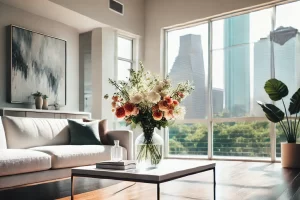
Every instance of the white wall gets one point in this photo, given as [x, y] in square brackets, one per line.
[164, 13]
[103, 58]
[10, 15]
[132, 22]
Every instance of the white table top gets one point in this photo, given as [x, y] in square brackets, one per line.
[167, 170]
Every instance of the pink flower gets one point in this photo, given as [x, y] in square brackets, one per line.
[163, 106]
[120, 112]
[169, 114]
[157, 115]
[175, 103]
[169, 100]
[129, 107]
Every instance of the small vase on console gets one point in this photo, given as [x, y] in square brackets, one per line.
[38, 102]
[38, 99]
[45, 102]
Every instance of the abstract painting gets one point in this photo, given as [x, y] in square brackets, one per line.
[38, 63]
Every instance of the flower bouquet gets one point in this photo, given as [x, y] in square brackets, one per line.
[151, 102]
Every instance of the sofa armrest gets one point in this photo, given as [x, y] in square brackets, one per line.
[126, 140]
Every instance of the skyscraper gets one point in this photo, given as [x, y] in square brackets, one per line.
[237, 65]
[286, 62]
[262, 72]
[217, 100]
[189, 65]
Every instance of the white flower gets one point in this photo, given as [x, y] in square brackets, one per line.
[167, 81]
[136, 99]
[153, 97]
[179, 112]
[163, 94]
[158, 88]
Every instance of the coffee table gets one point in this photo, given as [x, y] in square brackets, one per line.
[168, 170]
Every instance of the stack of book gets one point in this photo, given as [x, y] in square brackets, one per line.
[118, 165]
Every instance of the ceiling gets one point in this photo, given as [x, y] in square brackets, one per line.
[50, 10]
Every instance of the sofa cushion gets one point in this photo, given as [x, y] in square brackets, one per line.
[23, 132]
[103, 128]
[84, 133]
[17, 161]
[77, 155]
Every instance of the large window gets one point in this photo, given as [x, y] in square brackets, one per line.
[125, 57]
[229, 60]
[124, 64]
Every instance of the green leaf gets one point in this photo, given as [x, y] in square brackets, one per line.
[295, 103]
[273, 113]
[276, 89]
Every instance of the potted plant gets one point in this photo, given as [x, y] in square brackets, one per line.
[45, 102]
[38, 99]
[277, 90]
[150, 102]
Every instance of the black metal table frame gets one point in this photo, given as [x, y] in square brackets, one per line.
[142, 181]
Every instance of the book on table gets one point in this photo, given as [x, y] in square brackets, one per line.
[119, 165]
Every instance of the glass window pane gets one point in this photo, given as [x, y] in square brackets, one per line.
[241, 139]
[241, 29]
[287, 49]
[123, 70]
[124, 48]
[241, 64]
[288, 15]
[188, 60]
[231, 82]
[188, 139]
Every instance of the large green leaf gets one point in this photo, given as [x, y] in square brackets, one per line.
[276, 89]
[295, 103]
[273, 113]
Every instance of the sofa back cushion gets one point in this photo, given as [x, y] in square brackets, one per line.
[23, 132]
[2, 136]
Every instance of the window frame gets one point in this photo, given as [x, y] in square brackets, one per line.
[132, 61]
[210, 119]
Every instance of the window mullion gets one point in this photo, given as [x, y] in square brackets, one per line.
[124, 59]
[209, 96]
[272, 125]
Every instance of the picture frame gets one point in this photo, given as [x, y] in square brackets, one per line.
[37, 62]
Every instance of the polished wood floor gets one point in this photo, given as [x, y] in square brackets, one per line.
[235, 181]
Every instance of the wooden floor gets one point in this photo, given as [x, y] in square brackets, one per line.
[235, 181]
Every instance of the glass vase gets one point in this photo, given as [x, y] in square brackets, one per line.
[116, 152]
[148, 150]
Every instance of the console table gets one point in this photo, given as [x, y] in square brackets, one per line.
[34, 113]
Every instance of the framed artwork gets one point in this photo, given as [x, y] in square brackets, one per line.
[38, 63]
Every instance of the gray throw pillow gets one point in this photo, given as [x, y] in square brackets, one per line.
[84, 133]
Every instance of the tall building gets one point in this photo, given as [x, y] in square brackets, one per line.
[262, 72]
[237, 65]
[189, 65]
[287, 65]
[217, 100]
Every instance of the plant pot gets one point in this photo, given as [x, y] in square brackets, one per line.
[148, 154]
[45, 104]
[290, 155]
[38, 102]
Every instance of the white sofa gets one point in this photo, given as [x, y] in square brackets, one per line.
[34, 150]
